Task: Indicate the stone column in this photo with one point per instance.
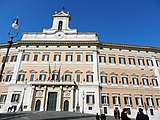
(95, 67)
(42, 108)
(72, 102)
(60, 99)
(30, 103)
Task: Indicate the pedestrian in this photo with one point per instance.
(141, 115)
(124, 114)
(97, 116)
(103, 117)
(116, 113)
(9, 109)
(15, 107)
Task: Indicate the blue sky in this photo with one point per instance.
(135, 22)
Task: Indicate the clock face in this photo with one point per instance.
(59, 35)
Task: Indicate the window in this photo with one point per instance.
(89, 58)
(141, 61)
(8, 78)
(102, 59)
(67, 77)
(131, 61)
(139, 101)
(116, 100)
(78, 77)
(35, 58)
(158, 63)
(90, 99)
(154, 82)
(89, 78)
(3, 98)
(158, 101)
(42, 77)
(25, 57)
(105, 99)
(135, 81)
(57, 58)
(14, 58)
(60, 25)
(122, 60)
(125, 80)
(15, 98)
(127, 100)
(145, 81)
(45, 57)
(114, 80)
(149, 101)
(4, 58)
(78, 58)
(112, 60)
(103, 79)
(149, 62)
(54, 76)
(105, 110)
(21, 77)
(32, 77)
(68, 58)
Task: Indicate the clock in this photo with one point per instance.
(59, 35)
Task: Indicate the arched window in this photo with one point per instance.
(66, 105)
(60, 25)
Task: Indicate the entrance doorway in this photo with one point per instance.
(66, 105)
(38, 104)
(52, 100)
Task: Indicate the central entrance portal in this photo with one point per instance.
(52, 100)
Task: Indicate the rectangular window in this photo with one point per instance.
(102, 59)
(135, 81)
(149, 62)
(139, 101)
(78, 58)
(35, 58)
(125, 80)
(21, 77)
(145, 81)
(127, 100)
(116, 100)
(105, 110)
(78, 78)
(14, 58)
(104, 99)
(141, 61)
(8, 78)
(112, 60)
(103, 79)
(114, 80)
(15, 98)
(90, 99)
(158, 63)
(149, 101)
(45, 57)
(89, 78)
(57, 58)
(25, 57)
(131, 61)
(4, 58)
(42, 77)
(158, 102)
(54, 76)
(31, 77)
(67, 77)
(3, 98)
(154, 82)
(122, 60)
(89, 58)
(68, 58)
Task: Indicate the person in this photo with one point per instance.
(9, 109)
(124, 114)
(116, 113)
(97, 116)
(141, 115)
(15, 107)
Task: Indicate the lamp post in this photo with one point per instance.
(13, 32)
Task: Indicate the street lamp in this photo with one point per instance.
(13, 32)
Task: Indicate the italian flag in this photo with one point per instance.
(49, 72)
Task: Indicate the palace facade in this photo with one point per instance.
(61, 69)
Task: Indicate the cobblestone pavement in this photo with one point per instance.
(49, 116)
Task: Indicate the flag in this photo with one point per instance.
(58, 77)
(49, 72)
(53, 74)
